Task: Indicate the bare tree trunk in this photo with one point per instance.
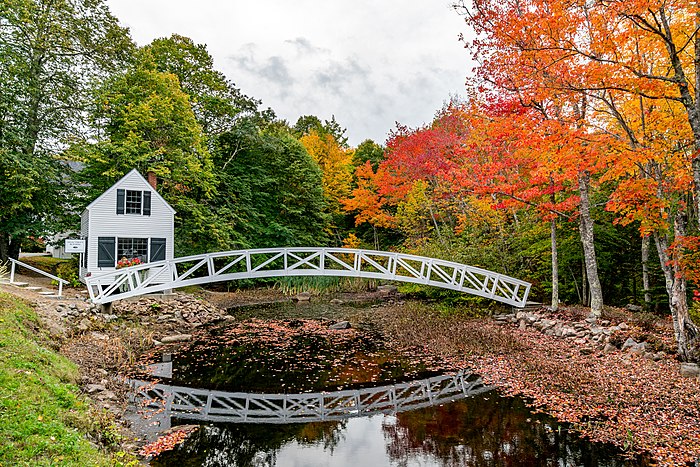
(686, 332)
(645, 270)
(589, 256)
(555, 266)
(586, 298)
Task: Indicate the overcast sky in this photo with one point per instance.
(369, 63)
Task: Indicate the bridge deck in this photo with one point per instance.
(281, 262)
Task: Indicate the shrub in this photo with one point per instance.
(69, 271)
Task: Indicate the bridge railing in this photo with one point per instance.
(281, 262)
(160, 402)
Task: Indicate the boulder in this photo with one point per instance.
(340, 325)
(176, 338)
(84, 325)
(639, 349)
(93, 388)
(387, 289)
(623, 326)
(609, 348)
(690, 370)
(337, 301)
(634, 308)
(629, 343)
(302, 297)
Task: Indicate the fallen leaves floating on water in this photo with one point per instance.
(167, 442)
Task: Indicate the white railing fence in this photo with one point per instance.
(280, 262)
(16, 263)
(159, 402)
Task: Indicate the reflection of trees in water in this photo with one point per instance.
(486, 431)
(248, 445)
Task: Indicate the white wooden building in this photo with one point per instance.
(129, 220)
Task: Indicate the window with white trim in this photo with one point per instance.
(133, 202)
(130, 248)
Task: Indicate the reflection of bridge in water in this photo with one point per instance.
(284, 262)
(160, 402)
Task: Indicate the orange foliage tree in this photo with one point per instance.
(590, 61)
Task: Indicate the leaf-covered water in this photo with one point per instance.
(290, 356)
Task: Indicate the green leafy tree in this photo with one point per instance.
(307, 124)
(145, 121)
(370, 151)
(217, 103)
(272, 189)
(51, 55)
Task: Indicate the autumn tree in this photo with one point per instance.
(517, 158)
(370, 151)
(335, 164)
(588, 58)
(366, 202)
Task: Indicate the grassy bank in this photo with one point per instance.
(43, 419)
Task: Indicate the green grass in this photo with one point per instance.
(43, 419)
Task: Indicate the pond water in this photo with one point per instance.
(294, 393)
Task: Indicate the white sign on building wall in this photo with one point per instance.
(75, 246)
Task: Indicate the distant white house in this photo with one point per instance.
(129, 220)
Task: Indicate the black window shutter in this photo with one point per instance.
(157, 249)
(146, 203)
(85, 255)
(105, 252)
(120, 201)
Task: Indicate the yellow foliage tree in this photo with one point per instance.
(336, 165)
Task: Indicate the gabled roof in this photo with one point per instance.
(116, 185)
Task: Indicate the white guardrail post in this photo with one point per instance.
(38, 271)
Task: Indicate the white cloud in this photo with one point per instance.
(369, 63)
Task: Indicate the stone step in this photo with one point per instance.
(33, 288)
(20, 284)
(47, 292)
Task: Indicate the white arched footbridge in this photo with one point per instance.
(159, 402)
(281, 262)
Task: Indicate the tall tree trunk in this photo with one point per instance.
(645, 271)
(589, 257)
(586, 298)
(686, 332)
(555, 266)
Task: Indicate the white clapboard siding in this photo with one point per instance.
(84, 233)
(101, 220)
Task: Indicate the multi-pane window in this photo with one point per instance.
(133, 202)
(132, 248)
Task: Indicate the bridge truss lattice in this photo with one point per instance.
(160, 402)
(281, 262)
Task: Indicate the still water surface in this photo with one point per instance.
(481, 430)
